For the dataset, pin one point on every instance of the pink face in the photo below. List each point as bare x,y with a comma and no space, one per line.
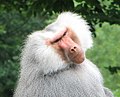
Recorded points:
66,43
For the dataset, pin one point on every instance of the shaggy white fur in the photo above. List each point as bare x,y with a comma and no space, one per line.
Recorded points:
77,24
46,54
43,73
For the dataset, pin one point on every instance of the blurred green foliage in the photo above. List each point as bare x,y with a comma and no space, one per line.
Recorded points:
20,18
13,30
94,11
105,53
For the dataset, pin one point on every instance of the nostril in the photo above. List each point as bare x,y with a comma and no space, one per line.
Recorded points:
73,49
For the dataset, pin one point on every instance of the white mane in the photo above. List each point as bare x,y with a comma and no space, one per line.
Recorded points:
77,24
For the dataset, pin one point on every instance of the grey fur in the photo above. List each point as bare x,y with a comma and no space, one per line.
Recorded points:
44,74
77,81
82,80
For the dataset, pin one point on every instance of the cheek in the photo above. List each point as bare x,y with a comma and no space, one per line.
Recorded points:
59,51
